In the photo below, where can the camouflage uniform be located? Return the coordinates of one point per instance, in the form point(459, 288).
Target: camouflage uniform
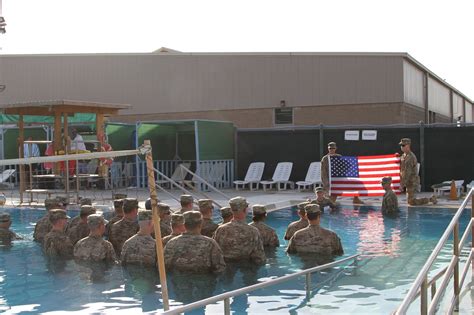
point(139, 249)
point(73, 222)
point(324, 202)
point(185, 199)
point(79, 231)
point(167, 238)
point(208, 227)
point(176, 220)
point(122, 231)
point(314, 239)
point(409, 177)
point(325, 169)
point(6, 236)
point(389, 202)
point(295, 226)
point(42, 227)
point(165, 228)
point(269, 236)
point(94, 248)
point(192, 252)
point(111, 222)
point(57, 244)
point(240, 241)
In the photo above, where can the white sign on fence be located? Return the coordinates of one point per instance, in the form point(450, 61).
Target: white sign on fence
point(369, 134)
point(351, 135)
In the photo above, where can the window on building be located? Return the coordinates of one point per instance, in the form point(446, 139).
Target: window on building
point(284, 116)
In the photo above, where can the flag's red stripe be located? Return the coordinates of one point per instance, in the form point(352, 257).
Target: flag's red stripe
point(381, 168)
point(377, 163)
point(368, 157)
point(335, 182)
point(381, 175)
point(359, 194)
point(357, 188)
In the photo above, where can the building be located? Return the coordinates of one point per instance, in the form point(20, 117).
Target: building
point(250, 89)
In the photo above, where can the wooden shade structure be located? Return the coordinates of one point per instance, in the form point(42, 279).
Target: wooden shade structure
point(59, 109)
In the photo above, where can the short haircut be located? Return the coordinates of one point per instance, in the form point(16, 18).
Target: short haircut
point(313, 215)
point(258, 217)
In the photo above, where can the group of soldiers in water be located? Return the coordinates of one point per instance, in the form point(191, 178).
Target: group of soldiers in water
point(192, 241)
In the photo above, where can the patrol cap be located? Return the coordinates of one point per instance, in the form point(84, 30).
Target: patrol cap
point(163, 208)
point(118, 203)
point(238, 203)
point(192, 217)
point(87, 210)
point(301, 205)
point(94, 220)
point(405, 141)
point(386, 180)
point(120, 196)
point(332, 145)
point(186, 199)
point(205, 204)
point(52, 203)
point(145, 215)
point(86, 201)
point(226, 212)
point(129, 204)
point(259, 209)
point(177, 219)
point(312, 209)
point(57, 214)
point(318, 189)
point(62, 200)
point(4, 217)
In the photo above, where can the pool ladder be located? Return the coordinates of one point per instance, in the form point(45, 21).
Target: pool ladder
point(421, 284)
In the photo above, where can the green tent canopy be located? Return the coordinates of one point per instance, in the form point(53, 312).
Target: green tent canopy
point(6, 119)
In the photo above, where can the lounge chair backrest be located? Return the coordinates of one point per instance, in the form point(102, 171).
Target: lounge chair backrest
point(314, 172)
point(282, 171)
point(179, 173)
point(254, 172)
point(217, 172)
point(6, 174)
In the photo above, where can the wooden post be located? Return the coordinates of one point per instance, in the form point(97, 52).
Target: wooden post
point(21, 139)
point(156, 225)
point(57, 139)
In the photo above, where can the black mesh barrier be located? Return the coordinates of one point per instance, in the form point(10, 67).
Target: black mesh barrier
point(448, 151)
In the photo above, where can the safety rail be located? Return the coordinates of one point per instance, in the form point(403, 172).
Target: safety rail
point(227, 295)
point(421, 284)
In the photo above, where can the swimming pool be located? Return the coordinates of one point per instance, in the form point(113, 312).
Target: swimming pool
point(396, 250)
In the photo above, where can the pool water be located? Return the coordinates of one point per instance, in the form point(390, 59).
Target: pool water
point(394, 251)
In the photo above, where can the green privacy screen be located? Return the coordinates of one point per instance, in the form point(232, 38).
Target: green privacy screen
point(216, 140)
point(10, 143)
point(76, 118)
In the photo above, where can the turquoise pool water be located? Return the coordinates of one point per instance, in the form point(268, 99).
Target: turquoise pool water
point(396, 248)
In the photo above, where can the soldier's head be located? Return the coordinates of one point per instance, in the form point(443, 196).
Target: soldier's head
point(96, 224)
point(186, 202)
point(58, 218)
point(118, 207)
point(332, 147)
point(177, 223)
point(205, 207)
point(259, 213)
point(226, 214)
point(193, 221)
point(164, 210)
point(405, 145)
point(386, 183)
point(50, 204)
point(319, 192)
point(145, 221)
point(5, 220)
point(313, 213)
point(301, 210)
point(239, 207)
point(148, 204)
point(86, 210)
point(130, 208)
point(86, 201)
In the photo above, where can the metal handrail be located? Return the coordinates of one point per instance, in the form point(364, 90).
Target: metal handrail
point(227, 295)
point(420, 285)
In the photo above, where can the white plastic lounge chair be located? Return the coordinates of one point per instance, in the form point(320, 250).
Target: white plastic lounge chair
point(253, 176)
point(5, 176)
point(470, 185)
point(178, 175)
point(313, 177)
point(280, 176)
point(216, 174)
point(440, 190)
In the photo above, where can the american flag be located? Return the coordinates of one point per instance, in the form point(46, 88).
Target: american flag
point(361, 175)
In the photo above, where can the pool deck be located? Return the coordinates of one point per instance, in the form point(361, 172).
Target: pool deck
point(272, 199)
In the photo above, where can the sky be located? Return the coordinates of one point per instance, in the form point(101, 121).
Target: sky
point(439, 34)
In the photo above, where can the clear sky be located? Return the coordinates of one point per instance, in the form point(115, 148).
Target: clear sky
point(439, 34)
